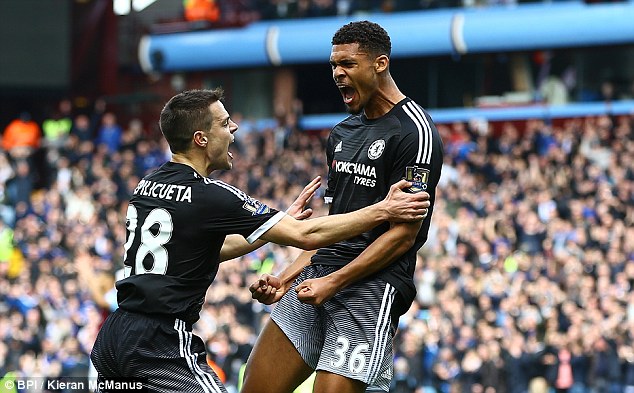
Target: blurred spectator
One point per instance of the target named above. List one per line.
(6, 243)
(57, 127)
(201, 10)
(607, 91)
(22, 136)
(554, 91)
(604, 368)
(322, 8)
(82, 128)
(20, 187)
(7, 172)
(132, 135)
(109, 133)
(281, 9)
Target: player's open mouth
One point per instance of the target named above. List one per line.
(347, 93)
(233, 138)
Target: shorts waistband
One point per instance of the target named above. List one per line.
(162, 318)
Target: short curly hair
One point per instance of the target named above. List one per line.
(369, 35)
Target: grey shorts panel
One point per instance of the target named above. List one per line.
(350, 335)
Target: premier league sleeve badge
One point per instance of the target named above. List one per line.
(418, 177)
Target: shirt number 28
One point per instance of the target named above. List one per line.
(155, 231)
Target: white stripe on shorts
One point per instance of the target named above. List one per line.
(205, 380)
(381, 333)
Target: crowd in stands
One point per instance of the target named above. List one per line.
(525, 283)
(245, 11)
(240, 12)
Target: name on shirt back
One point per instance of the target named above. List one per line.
(170, 192)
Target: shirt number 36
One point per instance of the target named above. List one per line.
(357, 359)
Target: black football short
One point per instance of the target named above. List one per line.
(162, 351)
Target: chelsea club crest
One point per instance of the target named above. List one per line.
(376, 149)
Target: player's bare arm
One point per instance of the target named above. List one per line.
(236, 245)
(386, 249)
(398, 206)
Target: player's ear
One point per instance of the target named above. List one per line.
(381, 63)
(200, 139)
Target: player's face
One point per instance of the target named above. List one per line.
(220, 136)
(354, 74)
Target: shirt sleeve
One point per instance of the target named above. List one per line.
(232, 211)
(414, 151)
(265, 227)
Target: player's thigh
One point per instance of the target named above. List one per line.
(274, 364)
(327, 382)
(359, 334)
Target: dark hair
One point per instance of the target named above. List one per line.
(186, 113)
(369, 35)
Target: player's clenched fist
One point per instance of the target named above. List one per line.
(267, 289)
(316, 291)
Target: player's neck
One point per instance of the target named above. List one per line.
(199, 167)
(382, 102)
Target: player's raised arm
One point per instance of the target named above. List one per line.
(398, 206)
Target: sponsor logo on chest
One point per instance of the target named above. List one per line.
(354, 168)
(364, 174)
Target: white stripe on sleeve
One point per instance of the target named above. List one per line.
(265, 227)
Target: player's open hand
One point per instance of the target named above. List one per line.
(316, 291)
(404, 206)
(267, 289)
(296, 210)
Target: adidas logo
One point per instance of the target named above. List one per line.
(339, 146)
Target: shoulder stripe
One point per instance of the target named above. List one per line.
(428, 136)
(234, 190)
(420, 131)
(424, 132)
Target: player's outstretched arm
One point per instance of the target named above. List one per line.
(236, 245)
(398, 206)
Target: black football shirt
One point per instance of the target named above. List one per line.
(365, 157)
(177, 221)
